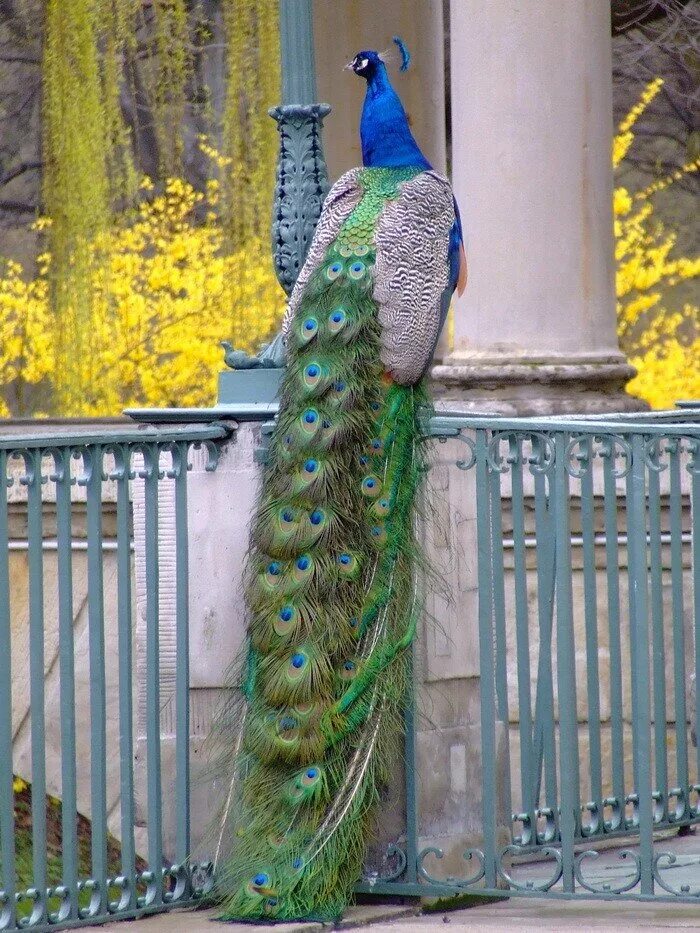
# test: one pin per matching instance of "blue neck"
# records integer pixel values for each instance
(387, 141)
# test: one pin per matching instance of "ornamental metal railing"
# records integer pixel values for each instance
(588, 576)
(57, 869)
(587, 569)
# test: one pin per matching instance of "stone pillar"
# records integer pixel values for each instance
(344, 27)
(531, 164)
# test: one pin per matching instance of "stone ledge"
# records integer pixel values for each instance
(550, 373)
(519, 385)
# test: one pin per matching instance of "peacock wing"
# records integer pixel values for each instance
(412, 273)
(340, 202)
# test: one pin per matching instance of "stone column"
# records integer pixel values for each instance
(344, 27)
(531, 165)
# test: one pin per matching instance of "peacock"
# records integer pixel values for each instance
(330, 583)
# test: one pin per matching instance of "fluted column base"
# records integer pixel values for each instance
(543, 385)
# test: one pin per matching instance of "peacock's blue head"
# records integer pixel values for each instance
(366, 63)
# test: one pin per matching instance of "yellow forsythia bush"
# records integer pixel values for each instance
(165, 289)
(663, 345)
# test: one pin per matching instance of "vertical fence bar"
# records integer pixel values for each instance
(410, 765)
(98, 712)
(499, 618)
(69, 806)
(658, 642)
(528, 778)
(545, 744)
(612, 564)
(639, 638)
(182, 672)
(676, 528)
(694, 469)
(153, 756)
(486, 660)
(499, 608)
(7, 818)
(33, 462)
(590, 604)
(566, 666)
(126, 724)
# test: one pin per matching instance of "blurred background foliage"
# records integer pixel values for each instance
(140, 141)
(136, 178)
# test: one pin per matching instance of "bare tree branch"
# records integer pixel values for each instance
(19, 170)
(18, 207)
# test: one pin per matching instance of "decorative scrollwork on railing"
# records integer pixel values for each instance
(535, 448)
(392, 852)
(679, 811)
(608, 887)
(549, 831)
(530, 884)
(94, 907)
(611, 448)
(693, 447)
(179, 875)
(497, 462)
(467, 462)
(616, 814)
(124, 886)
(579, 455)
(542, 456)
(213, 454)
(684, 890)
(652, 454)
(450, 881)
(151, 882)
(594, 825)
(5, 911)
(61, 894)
(37, 900)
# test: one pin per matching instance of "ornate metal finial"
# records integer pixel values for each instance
(302, 185)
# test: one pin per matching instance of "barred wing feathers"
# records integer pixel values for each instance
(412, 274)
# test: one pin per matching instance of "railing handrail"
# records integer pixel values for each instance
(161, 435)
(446, 424)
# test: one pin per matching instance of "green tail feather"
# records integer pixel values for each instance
(331, 591)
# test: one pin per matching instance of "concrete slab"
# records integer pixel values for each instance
(553, 916)
(203, 921)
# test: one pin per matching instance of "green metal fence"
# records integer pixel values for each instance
(611, 506)
(72, 893)
(604, 508)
